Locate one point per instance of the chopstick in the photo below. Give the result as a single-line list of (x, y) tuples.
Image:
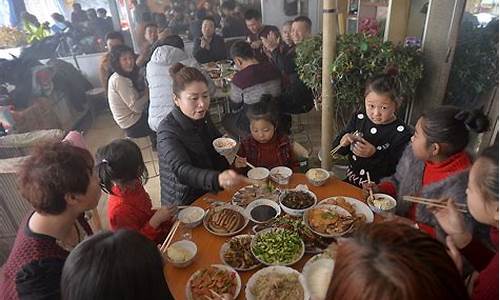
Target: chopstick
[(433, 202), (463, 205), (170, 236), (369, 181), (248, 164), (336, 149)]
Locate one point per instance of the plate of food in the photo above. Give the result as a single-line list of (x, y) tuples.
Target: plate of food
[(277, 282), (277, 246), (236, 253), (295, 202), (318, 272), (360, 211), (249, 193), (220, 279), (313, 242), (329, 220), (225, 220)]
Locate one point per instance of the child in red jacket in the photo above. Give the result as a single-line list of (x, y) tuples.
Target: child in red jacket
[(265, 146), (122, 173)]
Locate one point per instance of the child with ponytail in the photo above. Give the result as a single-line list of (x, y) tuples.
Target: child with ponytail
[(436, 164), (122, 173)]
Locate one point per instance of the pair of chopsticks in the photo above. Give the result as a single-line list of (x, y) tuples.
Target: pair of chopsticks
[(216, 295), (336, 149), (434, 203), (170, 236)]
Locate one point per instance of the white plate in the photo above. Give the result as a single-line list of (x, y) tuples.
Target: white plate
[(189, 296), (359, 206), (227, 206), (280, 269), (331, 207), (320, 260), (262, 232), (262, 193), (225, 247)]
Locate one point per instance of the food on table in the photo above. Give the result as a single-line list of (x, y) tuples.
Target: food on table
[(224, 220), (318, 273), (298, 200), (263, 213), (359, 219), (326, 220), (178, 253), (249, 193), (313, 242), (258, 173), (317, 174), (277, 247), (281, 175), (238, 255), (213, 278), (190, 215), (278, 286), (382, 203)]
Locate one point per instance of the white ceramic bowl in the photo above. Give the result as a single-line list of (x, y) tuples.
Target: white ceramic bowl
[(294, 211), (259, 174), (224, 146), (279, 269), (259, 202), (187, 245), (281, 175), (191, 216), (317, 176), (237, 277), (379, 210), (337, 209)]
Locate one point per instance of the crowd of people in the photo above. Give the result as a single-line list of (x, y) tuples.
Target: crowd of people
[(164, 94)]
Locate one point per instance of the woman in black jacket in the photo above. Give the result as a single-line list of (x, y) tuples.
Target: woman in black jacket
[(189, 165)]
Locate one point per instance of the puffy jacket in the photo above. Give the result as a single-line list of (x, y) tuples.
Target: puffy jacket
[(160, 81), (189, 165)]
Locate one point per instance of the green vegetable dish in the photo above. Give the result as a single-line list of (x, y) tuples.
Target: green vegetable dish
[(278, 247)]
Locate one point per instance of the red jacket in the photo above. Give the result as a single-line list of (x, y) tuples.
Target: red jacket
[(485, 262), (277, 152), (132, 209), (433, 172)]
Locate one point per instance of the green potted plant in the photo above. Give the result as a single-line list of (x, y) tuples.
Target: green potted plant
[(359, 57)]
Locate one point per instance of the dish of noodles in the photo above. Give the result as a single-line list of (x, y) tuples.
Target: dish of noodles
[(276, 283)]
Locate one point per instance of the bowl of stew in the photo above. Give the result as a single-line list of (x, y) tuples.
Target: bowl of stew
[(296, 202)]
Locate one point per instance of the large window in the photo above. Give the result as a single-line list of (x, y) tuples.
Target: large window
[(4, 13), (42, 9)]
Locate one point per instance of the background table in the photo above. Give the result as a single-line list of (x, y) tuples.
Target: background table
[(209, 244)]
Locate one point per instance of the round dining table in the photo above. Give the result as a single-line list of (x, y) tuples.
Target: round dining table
[(209, 244)]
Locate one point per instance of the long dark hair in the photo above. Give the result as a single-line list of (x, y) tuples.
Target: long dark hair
[(394, 261), (450, 126), (114, 61), (120, 161), (121, 265)]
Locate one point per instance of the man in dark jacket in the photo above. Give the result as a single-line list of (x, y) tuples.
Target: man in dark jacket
[(209, 47), (296, 97)]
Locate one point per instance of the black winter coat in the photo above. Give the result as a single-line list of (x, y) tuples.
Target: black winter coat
[(189, 165)]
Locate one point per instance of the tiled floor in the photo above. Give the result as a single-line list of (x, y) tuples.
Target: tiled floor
[(306, 131)]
